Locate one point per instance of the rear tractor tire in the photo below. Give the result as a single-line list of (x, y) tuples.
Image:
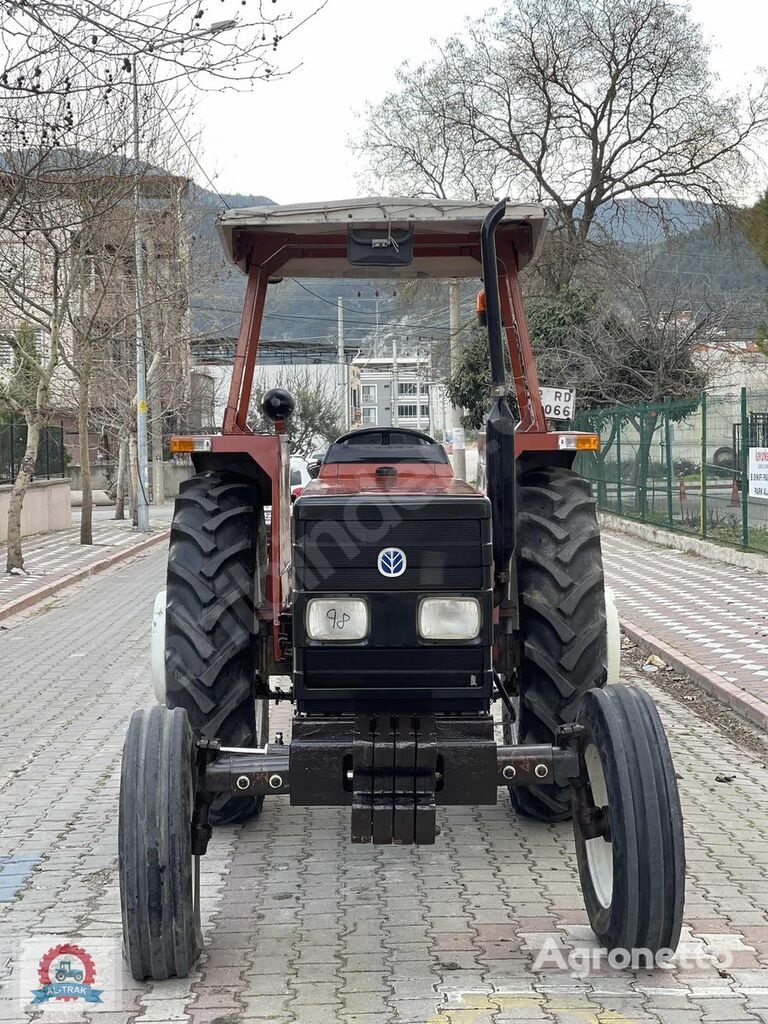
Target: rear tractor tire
[(632, 871), (216, 565), (563, 648), (159, 877)]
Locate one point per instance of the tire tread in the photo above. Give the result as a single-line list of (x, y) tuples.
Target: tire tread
[(211, 616), (562, 616)]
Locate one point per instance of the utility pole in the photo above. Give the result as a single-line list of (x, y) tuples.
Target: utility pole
[(418, 389), (142, 457), (342, 367), (142, 503), (459, 455), (394, 397)]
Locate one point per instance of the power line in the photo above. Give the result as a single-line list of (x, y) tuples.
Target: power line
[(356, 309), (188, 147), (358, 325)]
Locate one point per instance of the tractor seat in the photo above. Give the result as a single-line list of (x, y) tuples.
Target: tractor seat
[(385, 444)]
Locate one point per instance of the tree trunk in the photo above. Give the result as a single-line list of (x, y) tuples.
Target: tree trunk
[(15, 557), (133, 476), (122, 459), (83, 417), (648, 424), (600, 459)]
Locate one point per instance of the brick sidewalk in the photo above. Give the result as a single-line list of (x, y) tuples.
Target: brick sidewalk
[(713, 614), (53, 559)]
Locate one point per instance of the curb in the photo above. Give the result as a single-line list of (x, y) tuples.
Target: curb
[(35, 596), (746, 704)]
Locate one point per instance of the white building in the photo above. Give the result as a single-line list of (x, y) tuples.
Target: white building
[(395, 392)]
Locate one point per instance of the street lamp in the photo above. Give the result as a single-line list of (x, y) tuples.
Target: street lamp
[(142, 454)]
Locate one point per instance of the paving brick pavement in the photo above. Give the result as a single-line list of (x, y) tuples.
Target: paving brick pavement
[(715, 614), (51, 558), (303, 928)]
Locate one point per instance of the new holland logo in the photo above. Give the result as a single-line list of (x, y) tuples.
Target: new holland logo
[(392, 562)]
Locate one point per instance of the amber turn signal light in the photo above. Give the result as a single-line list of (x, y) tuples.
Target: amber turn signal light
[(184, 445)]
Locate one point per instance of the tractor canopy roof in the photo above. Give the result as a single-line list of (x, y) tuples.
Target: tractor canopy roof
[(376, 237)]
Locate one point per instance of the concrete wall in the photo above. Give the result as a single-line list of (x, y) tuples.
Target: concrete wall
[(46, 507), (174, 474), (102, 475)]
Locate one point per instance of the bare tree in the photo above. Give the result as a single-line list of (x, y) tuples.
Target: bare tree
[(66, 262), (66, 74), (96, 315), (579, 104), (40, 274), (104, 37), (317, 417)]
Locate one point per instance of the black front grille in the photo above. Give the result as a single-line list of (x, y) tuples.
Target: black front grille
[(432, 669), (440, 554)]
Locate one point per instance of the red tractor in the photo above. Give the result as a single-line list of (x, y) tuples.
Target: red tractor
[(403, 604)]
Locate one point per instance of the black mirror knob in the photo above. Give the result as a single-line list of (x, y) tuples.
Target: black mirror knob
[(278, 404)]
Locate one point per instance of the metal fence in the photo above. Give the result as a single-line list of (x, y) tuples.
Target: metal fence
[(685, 465), (50, 453)]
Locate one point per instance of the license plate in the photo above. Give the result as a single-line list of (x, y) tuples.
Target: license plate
[(558, 403)]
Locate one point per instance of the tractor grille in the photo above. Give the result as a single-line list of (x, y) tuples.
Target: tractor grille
[(446, 541), (441, 555), (433, 668)]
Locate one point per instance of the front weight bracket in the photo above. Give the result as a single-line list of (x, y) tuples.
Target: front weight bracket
[(536, 765)]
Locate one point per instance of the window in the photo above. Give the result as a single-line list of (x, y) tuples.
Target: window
[(407, 389), (425, 411), (407, 411), (6, 353), (368, 394), (369, 415), (295, 477)]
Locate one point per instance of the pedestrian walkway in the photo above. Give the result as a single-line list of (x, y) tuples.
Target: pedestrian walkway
[(53, 560), (713, 614)]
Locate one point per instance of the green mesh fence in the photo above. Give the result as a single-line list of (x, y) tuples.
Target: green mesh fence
[(683, 464)]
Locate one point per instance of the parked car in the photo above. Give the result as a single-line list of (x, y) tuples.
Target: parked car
[(298, 479), (314, 463)]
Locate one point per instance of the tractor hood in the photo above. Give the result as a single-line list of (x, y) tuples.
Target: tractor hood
[(409, 479)]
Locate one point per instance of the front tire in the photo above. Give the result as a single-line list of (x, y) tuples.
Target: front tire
[(634, 880), (216, 563), (562, 618), (158, 892)]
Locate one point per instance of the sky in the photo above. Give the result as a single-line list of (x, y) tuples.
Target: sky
[(288, 139)]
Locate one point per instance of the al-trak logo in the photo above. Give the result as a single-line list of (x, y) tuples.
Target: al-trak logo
[(392, 562), (66, 973)]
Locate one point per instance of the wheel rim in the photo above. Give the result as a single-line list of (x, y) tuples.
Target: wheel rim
[(599, 851)]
